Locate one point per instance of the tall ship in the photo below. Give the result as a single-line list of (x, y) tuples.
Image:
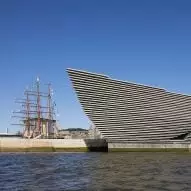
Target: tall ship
[(37, 115)]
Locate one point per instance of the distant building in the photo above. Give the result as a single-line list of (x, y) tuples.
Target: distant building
[(94, 133), (73, 133)]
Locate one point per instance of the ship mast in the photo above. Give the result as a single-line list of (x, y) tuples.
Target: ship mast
[(38, 120), (38, 104), (49, 117)]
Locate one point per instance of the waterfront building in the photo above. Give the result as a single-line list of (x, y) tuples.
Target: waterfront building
[(128, 112)]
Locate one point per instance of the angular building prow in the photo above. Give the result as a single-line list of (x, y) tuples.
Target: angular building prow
[(129, 112)]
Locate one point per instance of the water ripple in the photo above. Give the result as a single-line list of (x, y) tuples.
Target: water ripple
[(95, 171)]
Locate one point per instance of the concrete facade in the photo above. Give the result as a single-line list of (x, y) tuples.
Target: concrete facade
[(51, 144), (77, 145), (149, 147), (128, 112)]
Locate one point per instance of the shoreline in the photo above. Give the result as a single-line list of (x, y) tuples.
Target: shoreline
[(88, 145)]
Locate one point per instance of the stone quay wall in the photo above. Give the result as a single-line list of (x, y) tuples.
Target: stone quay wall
[(27, 145), (149, 146)]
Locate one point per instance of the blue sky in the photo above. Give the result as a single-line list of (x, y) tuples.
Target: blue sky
[(147, 42)]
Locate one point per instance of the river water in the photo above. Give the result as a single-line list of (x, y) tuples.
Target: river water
[(95, 171)]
